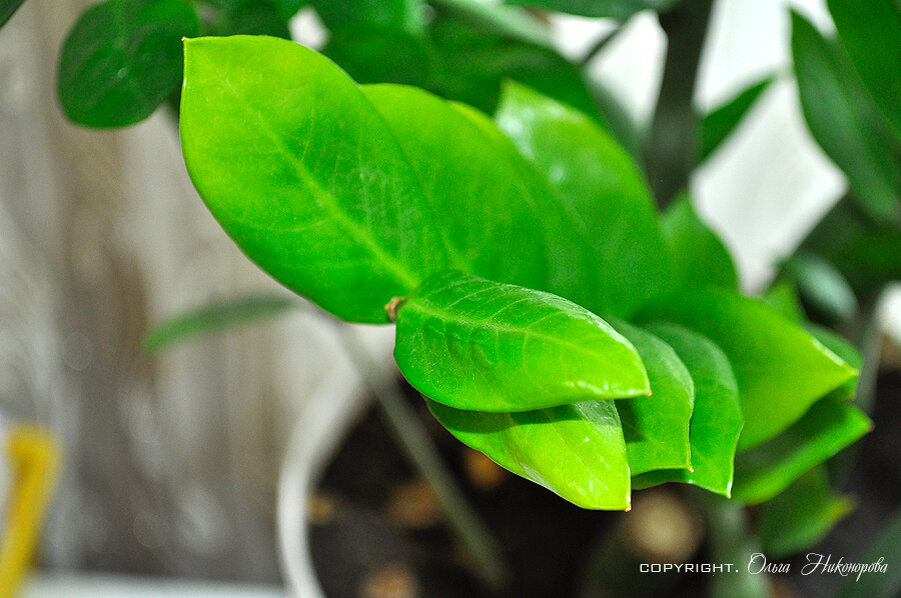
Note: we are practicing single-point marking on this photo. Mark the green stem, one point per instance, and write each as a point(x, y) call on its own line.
point(601, 43)
point(421, 452)
point(673, 145)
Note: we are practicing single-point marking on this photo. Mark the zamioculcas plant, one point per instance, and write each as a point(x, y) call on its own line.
point(552, 319)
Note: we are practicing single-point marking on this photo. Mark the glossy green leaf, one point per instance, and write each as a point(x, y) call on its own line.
point(216, 317)
point(886, 550)
point(575, 450)
point(781, 370)
point(254, 17)
point(122, 60)
point(843, 120)
point(846, 352)
point(374, 53)
point(400, 14)
point(783, 297)
point(656, 427)
point(617, 9)
point(800, 517)
point(716, 421)
point(699, 257)
point(603, 188)
point(767, 470)
point(7, 8)
point(870, 31)
point(719, 124)
point(473, 344)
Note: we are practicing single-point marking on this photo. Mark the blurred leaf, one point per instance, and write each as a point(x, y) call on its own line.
point(845, 350)
point(656, 427)
point(721, 122)
point(616, 9)
point(831, 425)
point(287, 8)
point(843, 121)
point(374, 53)
point(699, 257)
point(7, 8)
point(783, 297)
point(576, 450)
point(781, 370)
point(800, 517)
point(507, 21)
point(732, 541)
point(822, 287)
point(254, 17)
point(602, 186)
point(887, 551)
point(216, 317)
point(716, 421)
point(473, 344)
point(870, 31)
point(394, 14)
point(122, 60)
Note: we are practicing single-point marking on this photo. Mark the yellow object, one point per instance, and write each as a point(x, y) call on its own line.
point(34, 459)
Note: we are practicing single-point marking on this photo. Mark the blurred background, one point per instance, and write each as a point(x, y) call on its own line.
point(171, 463)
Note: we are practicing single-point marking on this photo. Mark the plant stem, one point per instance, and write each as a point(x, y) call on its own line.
point(672, 150)
point(603, 41)
point(421, 452)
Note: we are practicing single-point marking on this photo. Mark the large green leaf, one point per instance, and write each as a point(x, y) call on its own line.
point(473, 344)
point(575, 450)
point(7, 8)
point(870, 31)
point(122, 60)
point(402, 14)
point(718, 124)
point(801, 516)
point(699, 257)
point(843, 120)
point(845, 351)
point(602, 186)
point(716, 421)
point(829, 426)
point(781, 369)
point(656, 427)
point(617, 9)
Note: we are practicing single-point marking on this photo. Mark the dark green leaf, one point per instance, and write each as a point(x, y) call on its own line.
point(716, 421)
point(576, 450)
point(395, 14)
point(473, 344)
point(254, 17)
point(843, 121)
point(719, 124)
point(887, 552)
point(767, 470)
point(122, 60)
point(287, 8)
point(699, 258)
point(656, 427)
point(373, 53)
point(7, 8)
point(216, 317)
point(801, 516)
point(781, 370)
point(617, 9)
point(603, 188)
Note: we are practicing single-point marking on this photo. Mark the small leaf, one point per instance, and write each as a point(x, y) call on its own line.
point(397, 14)
point(781, 370)
point(602, 187)
point(800, 517)
point(822, 286)
point(254, 17)
point(617, 9)
point(473, 344)
point(216, 317)
point(699, 258)
point(575, 450)
point(122, 60)
point(716, 421)
point(721, 122)
point(7, 8)
point(886, 551)
point(843, 120)
point(767, 470)
point(656, 427)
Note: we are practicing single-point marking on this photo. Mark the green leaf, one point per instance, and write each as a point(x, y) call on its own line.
point(822, 286)
point(886, 551)
point(473, 344)
point(254, 17)
point(603, 188)
point(846, 352)
point(718, 125)
point(7, 8)
point(656, 427)
point(374, 53)
point(870, 31)
point(831, 425)
point(216, 317)
point(699, 258)
point(783, 297)
point(843, 120)
point(287, 8)
point(716, 421)
point(617, 9)
point(398, 14)
point(122, 60)
point(801, 516)
point(781, 370)
point(575, 450)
